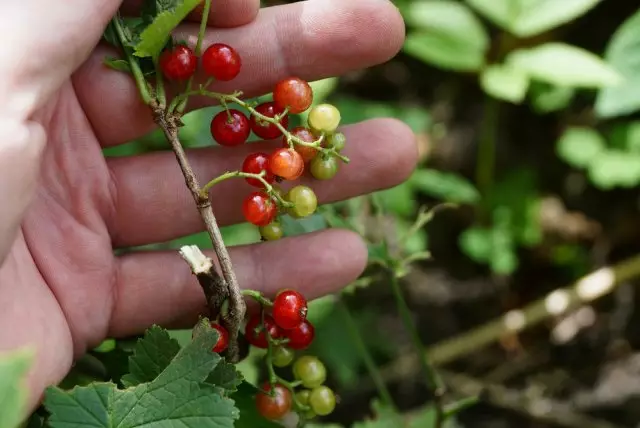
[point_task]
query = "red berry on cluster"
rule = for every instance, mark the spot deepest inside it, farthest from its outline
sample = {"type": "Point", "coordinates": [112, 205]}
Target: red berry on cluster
{"type": "Point", "coordinates": [293, 94]}
{"type": "Point", "coordinates": [255, 163]}
{"type": "Point", "coordinates": [223, 338]}
{"type": "Point", "coordinates": [286, 163]}
{"type": "Point", "coordinates": [274, 405]}
{"type": "Point", "coordinates": [255, 331]}
{"type": "Point", "coordinates": [301, 336]}
{"type": "Point", "coordinates": [304, 134]}
{"type": "Point", "coordinates": [289, 309]}
{"type": "Point", "coordinates": [230, 128]}
{"type": "Point", "coordinates": [265, 130]}
{"type": "Point", "coordinates": [221, 62]}
{"type": "Point", "coordinates": [259, 209]}
{"type": "Point", "coordinates": [179, 63]}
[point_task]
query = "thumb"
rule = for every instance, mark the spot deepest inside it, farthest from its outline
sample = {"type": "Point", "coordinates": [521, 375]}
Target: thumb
{"type": "Point", "coordinates": [50, 41]}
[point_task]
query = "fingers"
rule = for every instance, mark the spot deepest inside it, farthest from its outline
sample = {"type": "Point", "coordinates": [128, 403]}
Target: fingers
{"type": "Point", "coordinates": [21, 149]}
{"type": "Point", "coordinates": [312, 39]}
{"type": "Point", "coordinates": [153, 204]}
{"type": "Point", "coordinates": [160, 288]}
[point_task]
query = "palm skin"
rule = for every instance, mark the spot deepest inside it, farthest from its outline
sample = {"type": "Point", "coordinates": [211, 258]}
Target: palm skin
{"type": "Point", "coordinates": [62, 289]}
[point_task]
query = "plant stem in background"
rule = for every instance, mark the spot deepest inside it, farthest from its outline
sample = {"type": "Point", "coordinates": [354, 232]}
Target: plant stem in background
{"type": "Point", "coordinates": [434, 383]}
{"type": "Point", "coordinates": [368, 360]}
{"type": "Point", "coordinates": [485, 163]}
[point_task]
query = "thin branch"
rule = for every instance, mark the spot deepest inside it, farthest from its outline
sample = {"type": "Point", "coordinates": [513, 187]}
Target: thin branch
{"type": "Point", "coordinates": [560, 301]}
{"type": "Point", "coordinates": [237, 306]}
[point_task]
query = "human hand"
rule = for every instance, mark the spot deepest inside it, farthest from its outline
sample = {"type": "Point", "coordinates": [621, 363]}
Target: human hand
{"type": "Point", "coordinates": [66, 207]}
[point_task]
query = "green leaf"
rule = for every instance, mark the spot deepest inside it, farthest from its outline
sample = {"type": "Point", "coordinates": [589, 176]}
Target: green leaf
{"type": "Point", "coordinates": [152, 354]}
{"type": "Point", "coordinates": [626, 136]}
{"type": "Point", "coordinates": [579, 146]}
{"type": "Point", "coordinates": [475, 242]}
{"type": "Point", "coordinates": [526, 18]}
{"type": "Point", "coordinates": [156, 35]}
{"type": "Point", "coordinates": [225, 376]}
{"type": "Point", "coordinates": [444, 185]}
{"type": "Point", "coordinates": [449, 35]}
{"type": "Point", "coordinates": [615, 168]}
{"type": "Point", "coordinates": [299, 226]}
{"type": "Point", "coordinates": [546, 98]}
{"type": "Point", "coordinates": [623, 53]}
{"type": "Point", "coordinates": [564, 65]}
{"type": "Point", "coordinates": [442, 52]}
{"type": "Point", "coordinates": [118, 64]}
{"type": "Point", "coordinates": [175, 399]}
{"type": "Point", "coordinates": [504, 82]}
{"type": "Point", "coordinates": [504, 260]}
{"type": "Point", "coordinates": [399, 200]}
{"type": "Point", "coordinates": [13, 392]}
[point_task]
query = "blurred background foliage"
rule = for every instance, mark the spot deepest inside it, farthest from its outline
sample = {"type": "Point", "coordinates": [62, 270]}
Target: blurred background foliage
{"type": "Point", "coordinates": [526, 117]}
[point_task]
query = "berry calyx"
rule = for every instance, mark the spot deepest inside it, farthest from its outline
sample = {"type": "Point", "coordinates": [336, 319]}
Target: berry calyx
{"type": "Point", "coordinates": [274, 404]}
{"type": "Point", "coordinates": [272, 232]}
{"type": "Point", "coordinates": [179, 63]}
{"type": "Point", "coordinates": [307, 136]}
{"type": "Point", "coordinates": [322, 400]}
{"type": "Point", "coordinates": [281, 356]}
{"type": "Point", "coordinates": [324, 118]}
{"type": "Point", "coordinates": [324, 168]}
{"type": "Point", "coordinates": [230, 128]}
{"type": "Point", "coordinates": [286, 163]}
{"type": "Point", "coordinates": [304, 199]}
{"type": "Point", "coordinates": [259, 209]}
{"type": "Point", "coordinates": [301, 336]}
{"type": "Point", "coordinates": [254, 331]}
{"type": "Point", "coordinates": [221, 62]}
{"type": "Point", "coordinates": [336, 141]}
{"type": "Point", "coordinates": [223, 338]}
{"type": "Point", "coordinates": [293, 93]}
{"type": "Point", "coordinates": [310, 371]}
{"type": "Point", "coordinates": [255, 163]}
{"type": "Point", "coordinates": [267, 130]}
{"type": "Point", "coordinates": [289, 309]}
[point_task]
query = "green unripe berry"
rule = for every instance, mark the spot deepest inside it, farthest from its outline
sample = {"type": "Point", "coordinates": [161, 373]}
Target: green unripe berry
{"type": "Point", "coordinates": [271, 232]}
{"type": "Point", "coordinates": [324, 168]}
{"type": "Point", "coordinates": [324, 118]}
{"type": "Point", "coordinates": [322, 400]}
{"type": "Point", "coordinates": [304, 200]}
{"type": "Point", "coordinates": [310, 371]}
{"type": "Point", "coordinates": [282, 356]}
{"type": "Point", "coordinates": [337, 141]}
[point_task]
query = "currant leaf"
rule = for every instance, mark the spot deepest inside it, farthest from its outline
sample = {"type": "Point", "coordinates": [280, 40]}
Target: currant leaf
{"type": "Point", "coordinates": [152, 354]}
{"type": "Point", "coordinates": [156, 35]}
{"type": "Point", "coordinates": [177, 397]}
{"type": "Point", "coordinates": [225, 376]}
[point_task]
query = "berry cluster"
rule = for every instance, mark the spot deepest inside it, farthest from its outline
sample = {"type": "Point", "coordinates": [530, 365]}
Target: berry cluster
{"type": "Point", "coordinates": [281, 327]}
{"type": "Point", "coordinates": [315, 148]}
{"type": "Point", "coordinates": [283, 332]}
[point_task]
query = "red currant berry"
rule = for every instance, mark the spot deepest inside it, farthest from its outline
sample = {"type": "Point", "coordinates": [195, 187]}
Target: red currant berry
{"type": "Point", "coordinates": [293, 93]}
{"type": "Point", "coordinates": [305, 135]}
{"type": "Point", "coordinates": [301, 336]}
{"type": "Point", "coordinates": [230, 128]}
{"type": "Point", "coordinates": [255, 163]}
{"type": "Point", "coordinates": [286, 163]}
{"type": "Point", "coordinates": [274, 406]}
{"type": "Point", "coordinates": [255, 331]}
{"type": "Point", "coordinates": [221, 62]}
{"type": "Point", "coordinates": [289, 309]}
{"type": "Point", "coordinates": [178, 63]}
{"type": "Point", "coordinates": [259, 209]}
{"type": "Point", "coordinates": [266, 130]}
{"type": "Point", "coordinates": [223, 338]}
